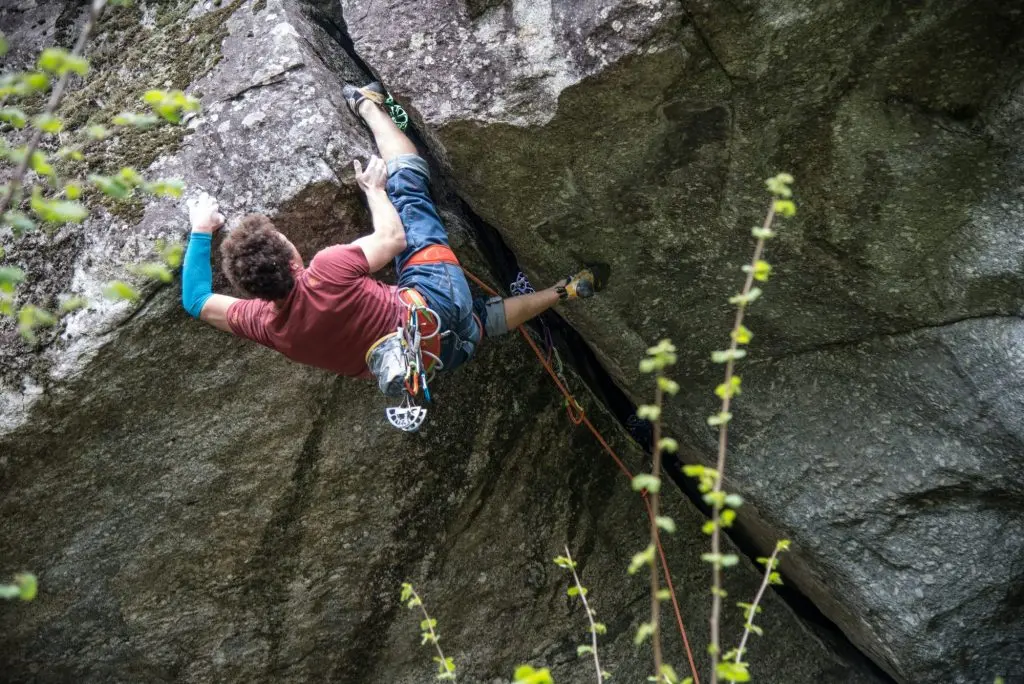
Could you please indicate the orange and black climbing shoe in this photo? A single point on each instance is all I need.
(374, 92)
(591, 280)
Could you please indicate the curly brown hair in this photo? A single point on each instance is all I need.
(257, 260)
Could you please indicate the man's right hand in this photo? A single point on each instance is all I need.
(375, 177)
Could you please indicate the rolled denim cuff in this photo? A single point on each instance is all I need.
(408, 161)
(495, 324)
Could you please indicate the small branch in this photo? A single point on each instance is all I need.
(433, 634)
(654, 499)
(14, 186)
(748, 628)
(716, 535)
(590, 616)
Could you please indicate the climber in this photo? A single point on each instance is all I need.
(333, 314)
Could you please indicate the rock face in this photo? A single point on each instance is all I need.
(199, 509)
(878, 428)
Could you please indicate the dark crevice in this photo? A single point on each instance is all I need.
(577, 354)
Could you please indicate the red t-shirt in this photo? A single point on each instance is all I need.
(332, 316)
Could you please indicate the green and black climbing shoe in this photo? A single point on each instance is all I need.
(374, 92)
(591, 280)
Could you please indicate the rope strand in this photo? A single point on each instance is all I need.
(583, 419)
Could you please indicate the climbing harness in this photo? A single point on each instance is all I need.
(397, 113)
(404, 362)
(571, 403)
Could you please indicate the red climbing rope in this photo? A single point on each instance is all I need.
(577, 416)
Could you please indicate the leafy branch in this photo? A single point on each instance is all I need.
(722, 504)
(445, 665)
(566, 562)
(65, 66)
(771, 576)
(658, 358)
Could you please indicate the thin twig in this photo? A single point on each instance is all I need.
(433, 634)
(716, 572)
(14, 186)
(748, 628)
(654, 501)
(590, 616)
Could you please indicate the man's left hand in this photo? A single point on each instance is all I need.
(204, 214)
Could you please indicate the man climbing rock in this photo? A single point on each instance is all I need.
(333, 314)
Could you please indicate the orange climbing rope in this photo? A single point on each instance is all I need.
(578, 416)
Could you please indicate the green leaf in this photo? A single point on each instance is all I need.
(97, 132)
(648, 366)
(73, 303)
(648, 412)
(729, 560)
(583, 650)
(708, 527)
(668, 674)
(668, 386)
(72, 191)
(19, 223)
(130, 176)
(57, 211)
(665, 523)
(645, 557)
(565, 562)
(779, 185)
(48, 123)
(10, 277)
(525, 674)
(35, 81)
(59, 61)
(407, 592)
(599, 628)
(171, 253)
(40, 164)
(744, 299)
(113, 187)
(643, 632)
(762, 233)
(646, 481)
(13, 116)
(733, 500)
(28, 586)
(720, 418)
(575, 591)
(668, 444)
(118, 290)
(782, 545)
(774, 578)
(428, 623)
(785, 208)
(742, 335)
(727, 355)
(761, 270)
(165, 188)
(135, 120)
(170, 104)
(31, 317)
(70, 154)
(663, 595)
(733, 672)
(731, 389)
(727, 517)
(153, 270)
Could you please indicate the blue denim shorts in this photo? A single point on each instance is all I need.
(443, 285)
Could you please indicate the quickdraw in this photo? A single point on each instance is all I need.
(421, 325)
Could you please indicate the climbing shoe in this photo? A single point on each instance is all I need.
(591, 280)
(374, 92)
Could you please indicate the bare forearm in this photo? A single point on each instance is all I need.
(386, 222)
